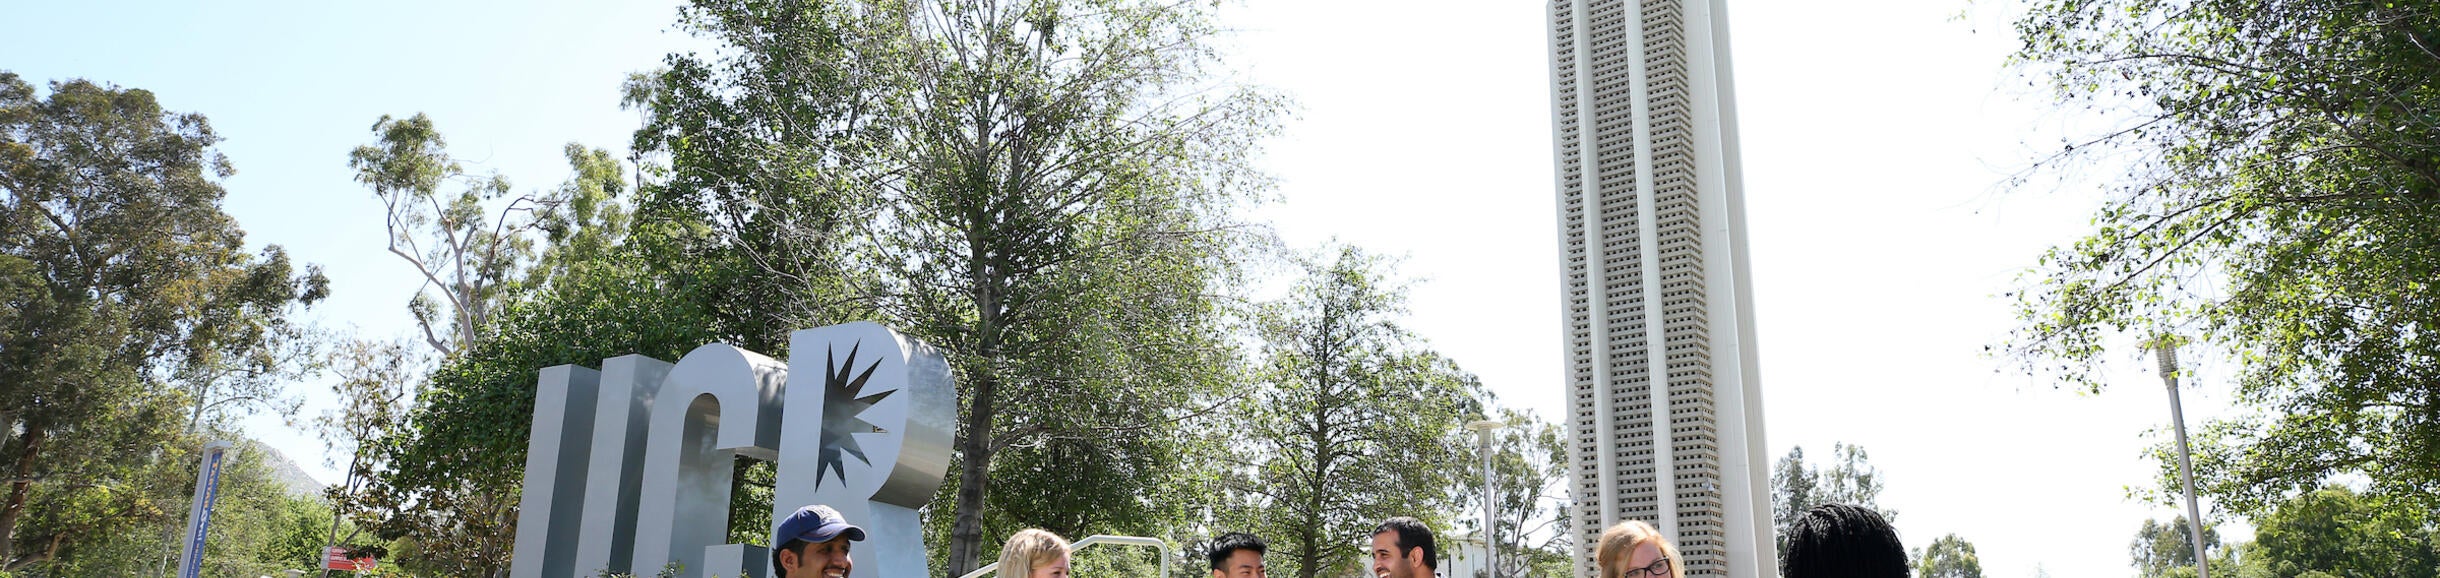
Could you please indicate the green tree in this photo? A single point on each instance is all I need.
(119, 270)
(2229, 560)
(450, 478)
(299, 537)
(1792, 491)
(2336, 531)
(376, 390)
(259, 528)
(2161, 547)
(584, 220)
(1529, 457)
(426, 464)
(1948, 557)
(1066, 213)
(2279, 196)
(1797, 486)
(436, 469)
(772, 150)
(71, 526)
(1355, 420)
(265, 352)
(454, 242)
(256, 524)
(1040, 188)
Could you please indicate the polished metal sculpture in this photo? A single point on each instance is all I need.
(621, 418)
(878, 429)
(628, 469)
(555, 475)
(720, 402)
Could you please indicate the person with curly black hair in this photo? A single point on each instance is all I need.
(1842, 541)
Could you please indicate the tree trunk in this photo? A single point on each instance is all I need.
(18, 489)
(975, 448)
(50, 550)
(1319, 522)
(966, 534)
(1309, 561)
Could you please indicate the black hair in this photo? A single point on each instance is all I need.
(1412, 534)
(1230, 543)
(797, 546)
(1842, 541)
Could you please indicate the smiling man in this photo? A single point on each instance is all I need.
(1237, 555)
(1402, 548)
(813, 544)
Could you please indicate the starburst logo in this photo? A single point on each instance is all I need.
(841, 406)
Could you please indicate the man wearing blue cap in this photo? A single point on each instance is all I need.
(814, 539)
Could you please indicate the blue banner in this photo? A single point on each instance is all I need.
(199, 519)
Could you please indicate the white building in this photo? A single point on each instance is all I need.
(1464, 556)
(1653, 282)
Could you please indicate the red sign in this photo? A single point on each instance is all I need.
(336, 559)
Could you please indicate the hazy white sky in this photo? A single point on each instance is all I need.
(1875, 136)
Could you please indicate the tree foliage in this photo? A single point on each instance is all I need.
(376, 390)
(258, 526)
(441, 472)
(1948, 557)
(772, 146)
(1797, 486)
(1066, 212)
(454, 242)
(1354, 420)
(2280, 201)
(2160, 548)
(452, 479)
(2338, 532)
(121, 276)
(1040, 188)
(582, 222)
(1529, 458)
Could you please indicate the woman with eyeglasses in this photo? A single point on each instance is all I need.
(1634, 549)
(1034, 553)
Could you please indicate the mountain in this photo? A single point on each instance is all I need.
(286, 471)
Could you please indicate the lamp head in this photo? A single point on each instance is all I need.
(2166, 351)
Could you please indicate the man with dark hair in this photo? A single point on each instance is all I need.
(1402, 548)
(814, 541)
(1842, 541)
(1237, 555)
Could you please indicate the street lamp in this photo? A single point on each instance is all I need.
(2167, 350)
(1491, 544)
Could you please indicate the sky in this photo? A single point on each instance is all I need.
(1875, 137)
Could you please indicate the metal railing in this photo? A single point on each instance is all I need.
(1154, 543)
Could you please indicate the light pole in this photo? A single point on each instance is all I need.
(1491, 544)
(2167, 349)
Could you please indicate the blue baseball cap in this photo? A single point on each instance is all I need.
(815, 523)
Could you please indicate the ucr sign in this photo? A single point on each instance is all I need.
(628, 467)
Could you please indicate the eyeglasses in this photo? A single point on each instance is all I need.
(1658, 569)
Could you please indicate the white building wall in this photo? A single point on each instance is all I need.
(1665, 403)
(1464, 557)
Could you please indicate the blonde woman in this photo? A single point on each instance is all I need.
(1634, 549)
(1034, 553)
